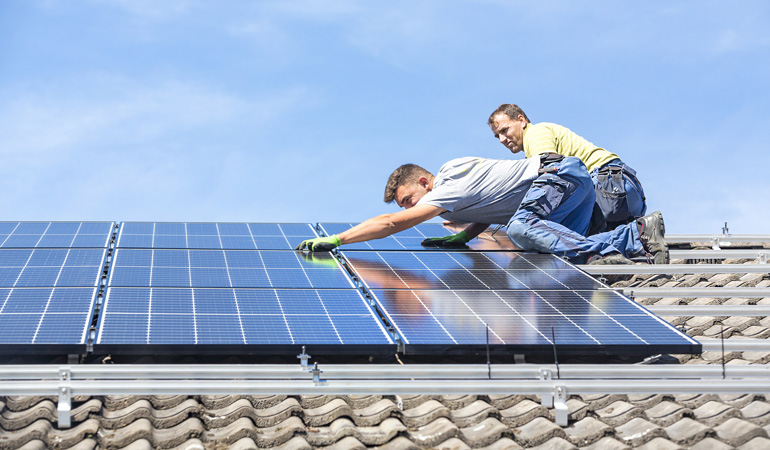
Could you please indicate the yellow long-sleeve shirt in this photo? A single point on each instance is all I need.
(549, 137)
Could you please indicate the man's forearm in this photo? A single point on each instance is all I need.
(374, 228)
(474, 229)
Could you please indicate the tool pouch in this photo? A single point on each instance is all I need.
(611, 195)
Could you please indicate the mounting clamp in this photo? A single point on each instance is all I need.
(316, 373)
(303, 357)
(560, 406)
(546, 399)
(65, 398)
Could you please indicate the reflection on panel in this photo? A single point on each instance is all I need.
(55, 234)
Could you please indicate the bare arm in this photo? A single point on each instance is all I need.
(474, 229)
(387, 224)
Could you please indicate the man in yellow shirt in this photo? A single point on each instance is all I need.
(619, 193)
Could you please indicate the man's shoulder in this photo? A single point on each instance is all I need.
(462, 165)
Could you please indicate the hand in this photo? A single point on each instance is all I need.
(454, 240)
(321, 244)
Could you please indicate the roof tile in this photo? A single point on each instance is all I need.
(503, 444)
(348, 443)
(522, 413)
(400, 443)
(143, 429)
(295, 443)
(606, 443)
(757, 412)
(587, 431)
(457, 401)
(537, 432)
(758, 443)
(638, 431)
(434, 433)
(484, 433)
(424, 413)
(738, 431)
(659, 443)
(688, 431)
(619, 413)
(556, 443)
(599, 401)
(667, 413)
(472, 414)
(714, 413)
(645, 400)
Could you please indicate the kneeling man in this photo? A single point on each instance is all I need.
(546, 203)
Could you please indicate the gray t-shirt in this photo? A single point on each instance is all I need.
(481, 190)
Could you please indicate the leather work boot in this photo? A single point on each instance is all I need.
(612, 258)
(651, 233)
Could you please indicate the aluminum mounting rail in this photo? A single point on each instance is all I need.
(371, 371)
(758, 254)
(735, 345)
(711, 310)
(721, 238)
(685, 292)
(673, 269)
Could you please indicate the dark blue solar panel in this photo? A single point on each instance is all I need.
(50, 267)
(225, 268)
(452, 298)
(55, 234)
(45, 316)
(411, 238)
(164, 316)
(235, 236)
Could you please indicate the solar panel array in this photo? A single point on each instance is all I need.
(49, 278)
(215, 286)
(241, 288)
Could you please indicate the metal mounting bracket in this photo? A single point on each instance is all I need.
(546, 399)
(560, 406)
(65, 398)
(303, 357)
(715, 243)
(316, 374)
(762, 258)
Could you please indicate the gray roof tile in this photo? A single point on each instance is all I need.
(638, 431)
(619, 413)
(434, 433)
(758, 443)
(587, 431)
(687, 431)
(714, 413)
(737, 431)
(607, 443)
(537, 432)
(667, 413)
(757, 412)
(523, 412)
(659, 443)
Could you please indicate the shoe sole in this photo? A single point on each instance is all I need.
(663, 237)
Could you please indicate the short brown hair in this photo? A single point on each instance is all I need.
(510, 110)
(405, 174)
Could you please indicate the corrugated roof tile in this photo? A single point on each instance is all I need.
(737, 431)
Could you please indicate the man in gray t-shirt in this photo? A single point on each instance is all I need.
(546, 203)
(481, 190)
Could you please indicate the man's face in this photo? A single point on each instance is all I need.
(407, 195)
(510, 132)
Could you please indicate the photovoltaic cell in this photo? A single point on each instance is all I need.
(411, 238)
(55, 234)
(223, 236)
(226, 268)
(187, 316)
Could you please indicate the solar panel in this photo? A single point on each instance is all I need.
(411, 238)
(76, 267)
(58, 317)
(55, 234)
(270, 318)
(225, 268)
(516, 302)
(196, 235)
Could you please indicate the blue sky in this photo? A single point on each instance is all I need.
(298, 111)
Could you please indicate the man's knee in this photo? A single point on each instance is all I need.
(528, 237)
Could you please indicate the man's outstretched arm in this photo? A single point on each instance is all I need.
(375, 228)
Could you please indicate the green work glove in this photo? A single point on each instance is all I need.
(321, 244)
(454, 240)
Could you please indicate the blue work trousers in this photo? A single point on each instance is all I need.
(556, 212)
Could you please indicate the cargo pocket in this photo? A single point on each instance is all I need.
(547, 193)
(611, 195)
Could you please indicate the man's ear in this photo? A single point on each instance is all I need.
(424, 182)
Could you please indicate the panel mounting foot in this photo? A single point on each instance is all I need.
(560, 406)
(546, 399)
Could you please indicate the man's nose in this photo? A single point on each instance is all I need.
(502, 138)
